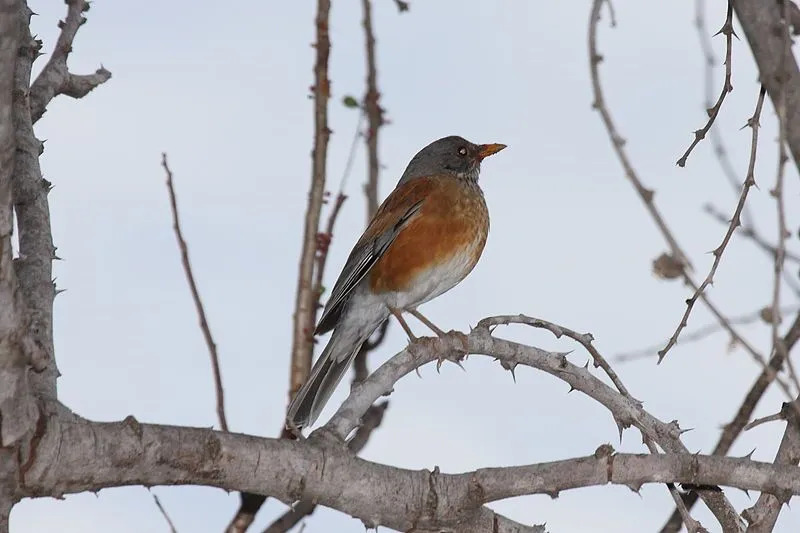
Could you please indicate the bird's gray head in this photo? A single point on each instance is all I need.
(452, 155)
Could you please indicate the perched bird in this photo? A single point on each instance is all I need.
(424, 239)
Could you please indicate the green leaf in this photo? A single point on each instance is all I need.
(350, 102)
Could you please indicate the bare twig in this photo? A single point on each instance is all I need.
(743, 414)
(750, 232)
(198, 304)
(714, 134)
(698, 334)
(618, 142)
(306, 301)
(735, 222)
(677, 254)
(373, 111)
(699, 135)
(164, 514)
(764, 420)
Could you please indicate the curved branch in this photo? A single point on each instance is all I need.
(454, 346)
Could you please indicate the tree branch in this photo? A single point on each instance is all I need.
(735, 222)
(743, 414)
(625, 410)
(55, 78)
(306, 301)
(677, 259)
(129, 453)
(777, 67)
(763, 515)
(713, 111)
(198, 303)
(374, 113)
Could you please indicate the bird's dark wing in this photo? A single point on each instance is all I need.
(392, 216)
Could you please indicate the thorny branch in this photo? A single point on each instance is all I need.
(720, 152)
(699, 135)
(750, 232)
(625, 410)
(678, 257)
(743, 414)
(735, 222)
(763, 515)
(55, 78)
(198, 303)
(699, 334)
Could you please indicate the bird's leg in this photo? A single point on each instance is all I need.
(427, 322)
(398, 315)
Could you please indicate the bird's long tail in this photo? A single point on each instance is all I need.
(326, 374)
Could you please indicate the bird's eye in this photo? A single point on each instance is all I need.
(462, 151)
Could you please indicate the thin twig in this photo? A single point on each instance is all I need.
(714, 134)
(305, 311)
(373, 111)
(311, 257)
(323, 244)
(699, 135)
(198, 304)
(698, 334)
(164, 513)
(735, 222)
(618, 143)
(765, 419)
(750, 232)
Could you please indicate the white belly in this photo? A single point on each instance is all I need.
(433, 282)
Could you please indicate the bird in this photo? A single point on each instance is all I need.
(425, 237)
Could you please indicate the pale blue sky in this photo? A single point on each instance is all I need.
(225, 92)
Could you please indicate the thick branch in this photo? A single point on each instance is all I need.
(55, 78)
(129, 453)
(777, 67)
(625, 410)
(36, 251)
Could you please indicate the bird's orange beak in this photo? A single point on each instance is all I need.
(485, 150)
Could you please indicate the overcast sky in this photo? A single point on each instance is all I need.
(225, 91)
